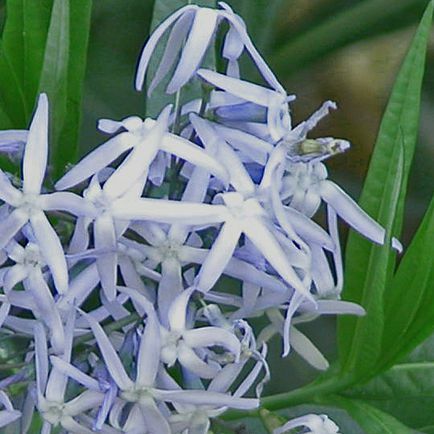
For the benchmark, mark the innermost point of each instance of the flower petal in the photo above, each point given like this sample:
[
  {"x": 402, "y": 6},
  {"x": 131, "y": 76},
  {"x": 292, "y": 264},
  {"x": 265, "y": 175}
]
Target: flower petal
[
  {"x": 10, "y": 225},
  {"x": 211, "y": 336},
  {"x": 169, "y": 287},
  {"x": 152, "y": 42},
  {"x": 155, "y": 421},
  {"x": 178, "y": 310},
  {"x": 51, "y": 250},
  {"x": 97, "y": 160},
  {"x": 168, "y": 211},
  {"x": 264, "y": 241},
  {"x": 105, "y": 239},
  {"x": 8, "y": 193},
  {"x": 186, "y": 150},
  {"x": 137, "y": 163},
  {"x": 173, "y": 46},
  {"x": 202, "y": 30},
  {"x": 191, "y": 361},
  {"x": 74, "y": 373},
  {"x": 66, "y": 201},
  {"x": 36, "y": 150},
  {"x": 348, "y": 210},
  {"x": 111, "y": 358}
]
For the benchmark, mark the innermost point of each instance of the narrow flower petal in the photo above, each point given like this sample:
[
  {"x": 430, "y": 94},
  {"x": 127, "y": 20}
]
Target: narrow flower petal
[
  {"x": 36, "y": 150},
  {"x": 173, "y": 45},
  {"x": 206, "y": 397},
  {"x": 13, "y": 276},
  {"x": 303, "y": 346},
  {"x": 111, "y": 358},
  {"x": 152, "y": 42},
  {"x": 66, "y": 201},
  {"x": 202, "y": 30},
  {"x": 169, "y": 287},
  {"x": 178, "y": 310},
  {"x": 138, "y": 161},
  {"x": 168, "y": 211},
  {"x": 348, "y": 210},
  {"x": 74, "y": 373},
  {"x": 8, "y": 193},
  {"x": 97, "y": 160},
  {"x": 210, "y": 336},
  {"x": 51, "y": 249},
  {"x": 11, "y": 225},
  {"x": 191, "y": 361},
  {"x": 8, "y": 416},
  {"x": 219, "y": 255},
  {"x": 156, "y": 423},
  {"x": 105, "y": 239},
  {"x": 186, "y": 150},
  {"x": 240, "y": 88},
  {"x": 41, "y": 358},
  {"x": 264, "y": 241}
]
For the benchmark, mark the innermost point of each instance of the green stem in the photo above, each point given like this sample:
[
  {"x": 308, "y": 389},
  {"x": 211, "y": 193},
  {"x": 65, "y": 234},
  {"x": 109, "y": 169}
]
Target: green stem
[{"x": 296, "y": 397}]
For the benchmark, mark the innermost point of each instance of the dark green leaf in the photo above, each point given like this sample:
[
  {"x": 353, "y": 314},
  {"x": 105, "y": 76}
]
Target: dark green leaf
[
  {"x": 372, "y": 420},
  {"x": 344, "y": 26},
  {"x": 369, "y": 267},
  {"x": 159, "y": 99},
  {"x": 406, "y": 391}
]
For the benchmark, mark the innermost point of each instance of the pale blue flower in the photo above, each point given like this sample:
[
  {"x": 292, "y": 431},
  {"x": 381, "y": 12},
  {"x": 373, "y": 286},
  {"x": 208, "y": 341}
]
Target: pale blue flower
[
  {"x": 197, "y": 26},
  {"x": 29, "y": 204},
  {"x": 314, "y": 424}
]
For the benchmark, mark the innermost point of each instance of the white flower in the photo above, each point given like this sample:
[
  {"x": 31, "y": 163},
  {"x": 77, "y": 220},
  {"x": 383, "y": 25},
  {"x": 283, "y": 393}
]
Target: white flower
[
  {"x": 275, "y": 102},
  {"x": 197, "y": 26},
  {"x": 180, "y": 342},
  {"x": 316, "y": 424},
  {"x": 144, "y": 139},
  {"x": 29, "y": 204}
]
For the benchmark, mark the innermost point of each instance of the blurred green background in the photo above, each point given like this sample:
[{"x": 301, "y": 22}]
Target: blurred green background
[{"x": 355, "y": 50}]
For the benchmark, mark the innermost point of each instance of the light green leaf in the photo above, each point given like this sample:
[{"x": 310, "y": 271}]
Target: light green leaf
[
  {"x": 43, "y": 49},
  {"x": 372, "y": 420},
  {"x": 192, "y": 89},
  {"x": 369, "y": 267},
  {"x": 410, "y": 298},
  {"x": 344, "y": 26},
  {"x": 62, "y": 76}
]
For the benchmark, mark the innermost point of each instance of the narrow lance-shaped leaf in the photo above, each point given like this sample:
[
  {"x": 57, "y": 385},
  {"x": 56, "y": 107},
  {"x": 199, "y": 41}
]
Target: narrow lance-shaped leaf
[
  {"x": 369, "y": 267},
  {"x": 62, "y": 76},
  {"x": 21, "y": 57},
  {"x": 410, "y": 296}
]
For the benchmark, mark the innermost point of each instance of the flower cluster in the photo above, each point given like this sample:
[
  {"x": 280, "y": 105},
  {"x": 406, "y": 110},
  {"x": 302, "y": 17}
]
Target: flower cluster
[{"x": 129, "y": 323}]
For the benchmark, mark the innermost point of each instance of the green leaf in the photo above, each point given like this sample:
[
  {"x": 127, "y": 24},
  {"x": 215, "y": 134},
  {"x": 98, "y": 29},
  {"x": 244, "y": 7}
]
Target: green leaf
[
  {"x": 364, "y": 19},
  {"x": 192, "y": 89},
  {"x": 369, "y": 267},
  {"x": 43, "y": 49},
  {"x": 62, "y": 76},
  {"x": 372, "y": 420},
  {"x": 406, "y": 391},
  {"x": 410, "y": 298},
  {"x": 21, "y": 57}
]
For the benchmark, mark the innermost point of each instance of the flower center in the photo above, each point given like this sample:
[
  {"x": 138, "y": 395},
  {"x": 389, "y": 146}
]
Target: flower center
[
  {"x": 137, "y": 394},
  {"x": 54, "y": 412}
]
